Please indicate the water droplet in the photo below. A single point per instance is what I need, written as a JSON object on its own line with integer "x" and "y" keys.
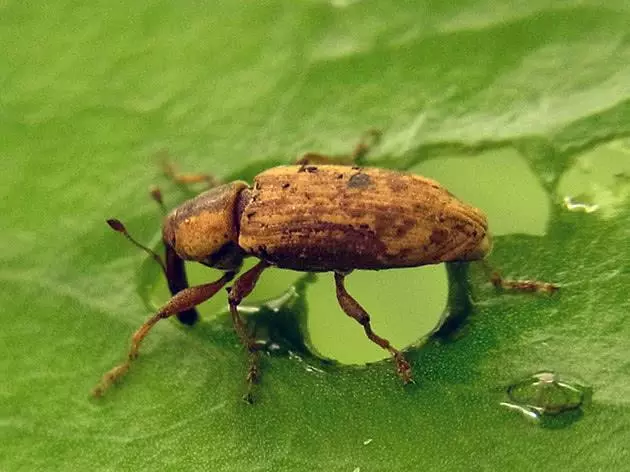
{"x": 307, "y": 367}
{"x": 545, "y": 394}
{"x": 598, "y": 180}
{"x": 573, "y": 205}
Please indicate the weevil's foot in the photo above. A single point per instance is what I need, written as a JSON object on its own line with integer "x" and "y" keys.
{"x": 109, "y": 379}
{"x": 403, "y": 368}
{"x": 248, "y": 398}
{"x": 98, "y": 391}
{"x": 253, "y": 375}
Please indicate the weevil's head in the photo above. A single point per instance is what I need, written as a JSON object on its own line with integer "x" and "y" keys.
{"x": 205, "y": 228}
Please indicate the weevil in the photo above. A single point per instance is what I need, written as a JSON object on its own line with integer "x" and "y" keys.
{"x": 322, "y": 217}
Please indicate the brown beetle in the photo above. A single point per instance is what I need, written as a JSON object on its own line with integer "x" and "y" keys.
{"x": 313, "y": 218}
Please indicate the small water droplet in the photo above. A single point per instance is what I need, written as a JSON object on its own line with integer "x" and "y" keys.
{"x": 545, "y": 394}
{"x": 598, "y": 180}
{"x": 307, "y": 367}
{"x": 573, "y": 205}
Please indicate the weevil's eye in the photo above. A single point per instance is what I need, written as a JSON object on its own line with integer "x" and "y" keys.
{"x": 168, "y": 232}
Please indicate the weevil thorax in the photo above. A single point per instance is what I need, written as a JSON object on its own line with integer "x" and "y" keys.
{"x": 205, "y": 228}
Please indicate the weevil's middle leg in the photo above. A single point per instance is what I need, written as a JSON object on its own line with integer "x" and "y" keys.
{"x": 352, "y": 308}
{"x": 368, "y": 140}
{"x": 184, "y": 300}
{"x": 185, "y": 178}
{"x": 241, "y": 288}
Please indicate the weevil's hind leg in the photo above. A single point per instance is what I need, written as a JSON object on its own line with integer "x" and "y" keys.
{"x": 184, "y": 300}
{"x": 171, "y": 172}
{"x": 528, "y": 286}
{"x": 242, "y": 287}
{"x": 352, "y": 308}
{"x": 368, "y": 140}
{"x": 314, "y": 158}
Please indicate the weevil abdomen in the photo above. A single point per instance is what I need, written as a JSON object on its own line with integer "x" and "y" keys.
{"x": 328, "y": 217}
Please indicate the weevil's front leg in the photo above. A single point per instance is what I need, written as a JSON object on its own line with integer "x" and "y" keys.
{"x": 241, "y": 288}
{"x": 369, "y": 140}
{"x": 356, "y": 311}
{"x": 184, "y": 300}
{"x": 528, "y": 286}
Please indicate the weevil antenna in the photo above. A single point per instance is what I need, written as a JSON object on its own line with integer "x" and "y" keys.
{"x": 156, "y": 195}
{"x": 117, "y": 225}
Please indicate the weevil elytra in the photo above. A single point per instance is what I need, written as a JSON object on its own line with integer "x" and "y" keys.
{"x": 313, "y": 218}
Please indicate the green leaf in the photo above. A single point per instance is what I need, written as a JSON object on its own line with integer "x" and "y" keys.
{"x": 518, "y": 107}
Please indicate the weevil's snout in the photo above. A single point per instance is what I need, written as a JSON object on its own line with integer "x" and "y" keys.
{"x": 204, "y": 229}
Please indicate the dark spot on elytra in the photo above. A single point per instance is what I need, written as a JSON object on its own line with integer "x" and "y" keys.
{"x": 393, "y": 224}
{"x": 403, "y": 226}
{"x": 438, "y": 236}
{"x": 359, "y": 181}
{"x": 384, "y": 223}
{"x": 286, "y": 185}
{"x": 397, "y": 184}
{"x": 340, "y": 176}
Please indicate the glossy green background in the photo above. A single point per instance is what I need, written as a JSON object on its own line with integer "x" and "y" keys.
{"x": 90, "y": 92}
